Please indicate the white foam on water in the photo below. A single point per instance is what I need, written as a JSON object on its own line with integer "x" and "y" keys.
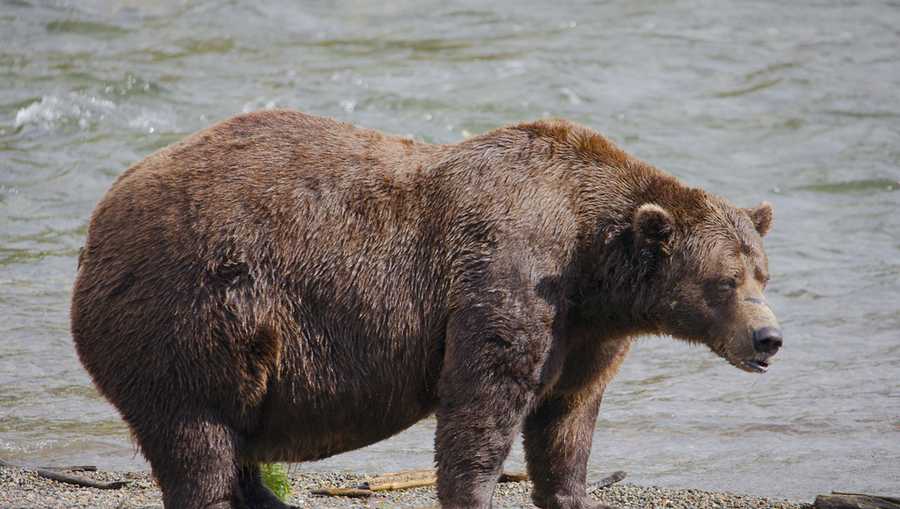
{"x": 152, "y": 121}
{"x": 53, "y": 111}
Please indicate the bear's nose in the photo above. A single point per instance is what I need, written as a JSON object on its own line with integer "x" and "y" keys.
{"x": 767, "y": 340}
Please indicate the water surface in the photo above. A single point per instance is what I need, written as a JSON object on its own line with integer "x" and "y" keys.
{"x": 797, "y": 103}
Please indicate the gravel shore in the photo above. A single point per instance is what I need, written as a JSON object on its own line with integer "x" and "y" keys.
{"x": 25, "y": 489}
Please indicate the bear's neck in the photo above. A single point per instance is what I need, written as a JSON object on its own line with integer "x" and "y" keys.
{"x": 612, "y": 291}
{"x": 609, "y": 296}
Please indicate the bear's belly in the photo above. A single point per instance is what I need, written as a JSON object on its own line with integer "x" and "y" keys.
{"x": 337, "y": 405}
{"x": 299, "y": 445}
{"x": 295, "y": 433}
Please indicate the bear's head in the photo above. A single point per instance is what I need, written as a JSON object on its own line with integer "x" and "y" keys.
{"x": 709, "y": 275}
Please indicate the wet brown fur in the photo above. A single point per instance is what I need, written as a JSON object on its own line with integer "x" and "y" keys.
{"x": 284, "y": 287}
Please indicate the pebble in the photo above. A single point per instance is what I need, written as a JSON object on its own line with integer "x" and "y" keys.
{"x": 24, "y": 489}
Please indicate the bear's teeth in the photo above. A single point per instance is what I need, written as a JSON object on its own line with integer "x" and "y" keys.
{"x": 758, "y": 366}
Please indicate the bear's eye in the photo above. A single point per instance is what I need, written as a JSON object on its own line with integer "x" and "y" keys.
{"x": 728, "y": 285}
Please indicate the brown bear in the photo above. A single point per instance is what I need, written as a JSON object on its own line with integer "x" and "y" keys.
{"x": 285, "y": 287}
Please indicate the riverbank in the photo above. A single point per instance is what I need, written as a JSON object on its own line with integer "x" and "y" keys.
{"x": 25, "y": 489}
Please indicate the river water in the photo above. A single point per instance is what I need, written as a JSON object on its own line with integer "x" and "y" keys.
{"x": 797, "y": 103}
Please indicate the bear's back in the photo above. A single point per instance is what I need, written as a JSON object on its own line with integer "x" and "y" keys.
{"x": 294, "y": 200}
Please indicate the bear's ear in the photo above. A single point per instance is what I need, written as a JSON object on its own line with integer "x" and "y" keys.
{"x": 761, "y": 215}
{"x": 653, "y": 227}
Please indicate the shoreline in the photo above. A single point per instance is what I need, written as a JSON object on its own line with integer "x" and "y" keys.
{"x": 21, "y": 488}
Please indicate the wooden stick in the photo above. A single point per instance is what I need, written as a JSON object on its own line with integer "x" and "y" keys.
{"x": 80, "y": 481}
{"x": 402, "y": 485}
{"x": 426, "y": 477}
{"x": 72, "y": 468}
{"x": 855, "y": 501}
{"x": 895, "y": 500}
{"x": 608, "y": 481}
{"x": 69, "y": 479}
{"x": 418, "y": 478}
{"x": 401, "y": 480}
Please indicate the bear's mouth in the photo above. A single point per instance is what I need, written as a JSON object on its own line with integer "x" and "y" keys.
{"x": 755, "y": 366}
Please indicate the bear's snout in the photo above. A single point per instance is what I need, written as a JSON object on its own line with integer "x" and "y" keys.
{"x": 767, "y": 340}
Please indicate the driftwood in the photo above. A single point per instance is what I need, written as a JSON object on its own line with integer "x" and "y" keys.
{"x": 841, "y": 500}
{"x": 72, "y": 468}
{"x": 80, "y": 481}
{"x": 608, "y": 481}
{"x": 401, "y": 480}
{"x": 398, "y": 481}
{"x": 418, "y": 478}
{"x": 55, "y": 475}
{"x": 400, "y": 485}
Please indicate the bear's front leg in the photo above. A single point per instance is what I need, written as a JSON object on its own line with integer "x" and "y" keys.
{"x": 490, "y": 374}
{"x": 560, "y": 430}
{"x": 558, "y": 436}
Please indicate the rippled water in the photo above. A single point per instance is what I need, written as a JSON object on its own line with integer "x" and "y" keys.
{"x": 796, "y": 104}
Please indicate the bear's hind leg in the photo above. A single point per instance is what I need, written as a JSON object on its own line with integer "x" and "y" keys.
{"x": 195, "y": 461}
